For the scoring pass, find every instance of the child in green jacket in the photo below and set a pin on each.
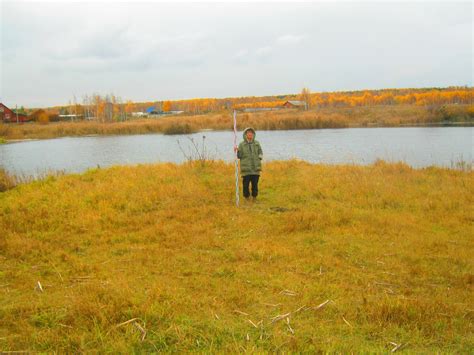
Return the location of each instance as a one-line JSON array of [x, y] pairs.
[[250, 154]]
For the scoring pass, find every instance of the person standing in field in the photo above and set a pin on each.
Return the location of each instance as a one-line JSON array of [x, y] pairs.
[[250, 154]]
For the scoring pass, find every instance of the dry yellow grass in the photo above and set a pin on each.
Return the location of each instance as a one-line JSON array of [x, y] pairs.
[[274, 120], [7, 181], [390, 247]]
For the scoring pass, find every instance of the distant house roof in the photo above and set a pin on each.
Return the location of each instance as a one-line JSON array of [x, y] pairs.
[[8, 115], [151, 109], [297, 103], [70, 115]]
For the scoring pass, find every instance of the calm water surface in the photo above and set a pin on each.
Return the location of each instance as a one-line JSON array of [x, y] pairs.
[[417, 146]]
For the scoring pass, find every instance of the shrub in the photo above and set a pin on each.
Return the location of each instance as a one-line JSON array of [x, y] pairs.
[[7, 181], [470, 111], [179, 128], [43, 118]]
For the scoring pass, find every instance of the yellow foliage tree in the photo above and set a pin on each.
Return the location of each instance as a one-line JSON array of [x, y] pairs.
[[306, 97], [167, 106], [43, 118]]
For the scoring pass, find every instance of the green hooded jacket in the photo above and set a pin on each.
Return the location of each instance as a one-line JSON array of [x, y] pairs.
[[250, 155]]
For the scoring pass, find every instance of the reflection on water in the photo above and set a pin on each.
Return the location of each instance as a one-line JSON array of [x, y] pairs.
[[417, 146]]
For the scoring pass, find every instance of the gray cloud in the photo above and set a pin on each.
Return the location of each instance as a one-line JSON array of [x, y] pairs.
[[151, 51], [290, 39]]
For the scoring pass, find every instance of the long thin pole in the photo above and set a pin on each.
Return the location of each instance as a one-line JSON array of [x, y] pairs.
[[236, 162]]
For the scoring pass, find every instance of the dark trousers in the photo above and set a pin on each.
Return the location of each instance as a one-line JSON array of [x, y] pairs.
[[246, 182]]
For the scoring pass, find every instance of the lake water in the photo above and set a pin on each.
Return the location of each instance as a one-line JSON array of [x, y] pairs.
[[417, 146]]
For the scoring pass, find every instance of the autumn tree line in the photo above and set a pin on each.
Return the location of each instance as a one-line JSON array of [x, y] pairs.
[[420, 97], [111, 108]]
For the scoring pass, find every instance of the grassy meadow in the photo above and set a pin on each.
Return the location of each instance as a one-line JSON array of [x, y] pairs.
[[384, 116], [158, 258]]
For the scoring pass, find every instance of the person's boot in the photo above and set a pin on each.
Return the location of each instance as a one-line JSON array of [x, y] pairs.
[[254, 198]]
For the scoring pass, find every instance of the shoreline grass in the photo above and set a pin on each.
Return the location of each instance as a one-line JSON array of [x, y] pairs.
[[375, 116], [7, 180], [157, 258]]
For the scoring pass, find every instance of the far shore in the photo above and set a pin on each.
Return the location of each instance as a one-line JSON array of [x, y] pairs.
[[342, 117]]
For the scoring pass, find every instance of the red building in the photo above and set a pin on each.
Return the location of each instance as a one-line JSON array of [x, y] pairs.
[[7, 115], [294, 104]]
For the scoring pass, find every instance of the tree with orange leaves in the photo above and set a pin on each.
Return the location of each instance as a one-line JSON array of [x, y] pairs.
[[167, 106]]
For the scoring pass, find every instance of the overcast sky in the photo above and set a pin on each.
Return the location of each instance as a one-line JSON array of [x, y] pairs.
[[158, 51]]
